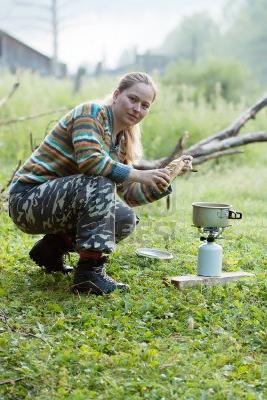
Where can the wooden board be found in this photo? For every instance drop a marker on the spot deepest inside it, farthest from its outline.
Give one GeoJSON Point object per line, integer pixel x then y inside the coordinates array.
{"type": "Point", "coordinates": [193, 280]}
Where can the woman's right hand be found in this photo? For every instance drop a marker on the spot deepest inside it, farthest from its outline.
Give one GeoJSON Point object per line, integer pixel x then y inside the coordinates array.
{"type": "Point", "coordinates": [158, 179]}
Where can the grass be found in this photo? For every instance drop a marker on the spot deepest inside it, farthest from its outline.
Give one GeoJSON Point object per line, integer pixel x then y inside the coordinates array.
{"type": "Point", "coordinates": [154, 342]}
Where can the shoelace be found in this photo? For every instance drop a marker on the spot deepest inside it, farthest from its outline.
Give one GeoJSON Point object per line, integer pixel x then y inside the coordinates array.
{"type": "Point", "coordinates": [101, 271]}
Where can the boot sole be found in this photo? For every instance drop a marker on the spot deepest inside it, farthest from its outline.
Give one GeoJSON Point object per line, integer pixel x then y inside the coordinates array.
{"type": "Point", "coordinates": [83, 287]}
{"type": "Point", "coordinates": [79, 288]}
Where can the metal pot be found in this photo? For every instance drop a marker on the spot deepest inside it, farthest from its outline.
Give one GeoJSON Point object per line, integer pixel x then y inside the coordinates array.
{"type": "Point", "coordinates": [213, 215]}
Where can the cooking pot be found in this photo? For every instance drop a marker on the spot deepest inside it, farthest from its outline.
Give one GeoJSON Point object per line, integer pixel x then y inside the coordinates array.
{"type": "Point", "coordinates": [213, 215]}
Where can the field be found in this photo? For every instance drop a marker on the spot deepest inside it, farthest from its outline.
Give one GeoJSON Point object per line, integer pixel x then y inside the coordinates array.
{"type": "Point", "coordinates": [154, 342]}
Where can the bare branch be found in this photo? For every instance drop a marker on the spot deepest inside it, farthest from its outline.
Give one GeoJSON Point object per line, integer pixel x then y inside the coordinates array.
{"type": "Point", "coordinates": [229, 143]}
{"type": "Point", "coordinates": [162, 162]}
{"type": "Point", "coordinates": [209, 151]}
{"type": "Point", "coordinates": [218, 154]}
{"type": "Point", "coordinates": [178, 150]}
{"type": "Point", "coordinates": [5, 99]}
{"type": "Point", "coordinates": [31, 141]}
{"type": "Point", "coordinates": [234, 128]}
{"type": "Point", "coordinates": [11, 178]}
{"type": "Point", "coordinates": [27, 117]}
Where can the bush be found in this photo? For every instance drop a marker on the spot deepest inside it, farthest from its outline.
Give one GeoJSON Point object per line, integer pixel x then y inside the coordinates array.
{"type": "Point", "coordinates": [209, 79]}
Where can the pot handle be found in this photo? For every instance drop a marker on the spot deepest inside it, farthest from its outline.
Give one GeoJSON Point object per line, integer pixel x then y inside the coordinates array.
{"type": "Point", "coordinates": [234, 215]}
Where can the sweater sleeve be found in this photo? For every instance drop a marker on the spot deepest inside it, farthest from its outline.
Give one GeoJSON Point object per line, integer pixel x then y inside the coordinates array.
{"type": "Point", "coordinates": [91, 157]}
{"type": "Point", "coordinates": [137, 194]}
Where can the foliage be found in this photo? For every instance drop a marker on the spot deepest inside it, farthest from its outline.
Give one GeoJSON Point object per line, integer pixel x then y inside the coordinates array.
{"type": "Point", "coordinates": [245, 38]}
{"type": "Point", "coordinates": [154, 342]}
{"type": "Point", "coordinates": [241, 36]}
{"type": "Point", "coordinates": [214, 77]}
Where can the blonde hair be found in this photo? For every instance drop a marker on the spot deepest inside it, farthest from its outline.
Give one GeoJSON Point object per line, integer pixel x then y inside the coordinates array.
{"type": "Point", "coordinates": [133, 133]}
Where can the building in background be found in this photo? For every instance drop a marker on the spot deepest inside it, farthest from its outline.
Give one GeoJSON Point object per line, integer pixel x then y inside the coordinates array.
{"type": "Point", "coordinates": [148, 62]}
{"type": "Point", "coordinates": [151, 62]}
{"type": "Point", "coordinates": [15, 55]}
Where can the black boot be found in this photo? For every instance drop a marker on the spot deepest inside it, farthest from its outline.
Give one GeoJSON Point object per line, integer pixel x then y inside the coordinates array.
{"type": "Point", "coordinates": [90, 277]}
{"type": "Point", "coordinates": [48, 253]}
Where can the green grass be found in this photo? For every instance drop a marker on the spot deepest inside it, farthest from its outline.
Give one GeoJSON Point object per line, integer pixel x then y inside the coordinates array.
{"type": "Point", "coordinates": [154, 342]}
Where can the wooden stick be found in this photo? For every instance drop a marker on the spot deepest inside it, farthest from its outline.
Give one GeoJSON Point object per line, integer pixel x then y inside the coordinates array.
{"type": "Point", "coordinates": [28, 117]}
{"type": "Point", "coordinates": [213, 156]}
{"type": "Point", "coordinates": [12, 176]}
{"type": "Point", "coordinates": [5, 99]}
{"type": "Point", "coordinates": [178, 151]}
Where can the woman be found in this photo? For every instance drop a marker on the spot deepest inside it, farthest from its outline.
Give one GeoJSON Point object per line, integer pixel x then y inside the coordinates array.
{"type": "Point", "coordinates": [66, 189]}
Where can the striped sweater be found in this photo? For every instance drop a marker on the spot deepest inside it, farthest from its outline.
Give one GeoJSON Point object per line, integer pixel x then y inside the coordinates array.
{"type": "Point", "coordinates": [82, 142]}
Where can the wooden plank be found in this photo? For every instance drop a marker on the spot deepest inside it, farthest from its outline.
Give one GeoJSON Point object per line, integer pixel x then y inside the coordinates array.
{"type": "Point", "coordinates": [193, 280]}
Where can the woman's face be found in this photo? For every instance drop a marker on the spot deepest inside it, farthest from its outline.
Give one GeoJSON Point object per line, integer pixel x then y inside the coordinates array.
{"type": "Point", "coordinates": [131, 105]}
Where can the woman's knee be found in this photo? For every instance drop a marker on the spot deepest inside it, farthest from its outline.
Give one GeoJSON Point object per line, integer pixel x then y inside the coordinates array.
{"type": "Point", "coordinates": [131, 219]}
{"type": "Point", "coordinates": [125, 223]}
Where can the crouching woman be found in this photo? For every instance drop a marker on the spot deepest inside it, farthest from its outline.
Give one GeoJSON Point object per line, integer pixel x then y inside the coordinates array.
{"type": "Point", "coordinates": [67, 189]}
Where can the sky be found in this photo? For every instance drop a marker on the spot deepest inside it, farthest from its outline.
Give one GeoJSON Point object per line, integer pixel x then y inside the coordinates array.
{"type": "Point", "coordinates": [90, 31]}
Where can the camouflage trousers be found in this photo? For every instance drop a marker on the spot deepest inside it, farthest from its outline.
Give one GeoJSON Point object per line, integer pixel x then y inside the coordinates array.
{"type": "Point", "coordinates": [83, 206]}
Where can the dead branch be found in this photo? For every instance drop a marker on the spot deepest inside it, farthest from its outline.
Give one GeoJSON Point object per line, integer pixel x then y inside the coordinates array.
{"type": "Point", "coordinates": [162, 162]}
{"type": "Point", "coordinates": [11, 178]}
{"type": "Point", "coordinates": [228, 143]}
{"type": "Point", "coordinates": [234, 128]}
{"type": "Point", "coordinates": [213, 156]}
{"type": "Point", "coordinates": [28, 117]}
{"type": "Point", "coordinates": [217, 145]}
{"type": "Point", "coordinates": [5, 99]}
{"type": "Point", "coordinates": [178, 150]}
{"type": "Point", "coordinates": [31, 141]}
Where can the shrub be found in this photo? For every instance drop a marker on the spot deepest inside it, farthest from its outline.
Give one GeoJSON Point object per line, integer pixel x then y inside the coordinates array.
{"type": "Point", "coordinates": [209, 79]}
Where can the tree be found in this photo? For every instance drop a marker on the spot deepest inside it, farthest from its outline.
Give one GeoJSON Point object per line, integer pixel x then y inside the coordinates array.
{"type": "Point", "coordinates": [246, 37]}
{"type": "Point", "coordinates": [41, 16]}
{"type": "Point", "coordinates": [193, 39]}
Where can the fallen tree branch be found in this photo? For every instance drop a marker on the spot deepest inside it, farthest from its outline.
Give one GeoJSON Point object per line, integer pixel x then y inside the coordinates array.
{"type": "Point", "coordinates": [28, 117]}
{"type": "Point", "coordinates": [228, 143]}
{"type": "Point", "coordinates": [5, 99]}
{"type": "Point", "coordinates": [217, 145]}
{"type": "Point", "coordinates": [213, 156]}
{"type": "Point", "coordinates": [234, 128]}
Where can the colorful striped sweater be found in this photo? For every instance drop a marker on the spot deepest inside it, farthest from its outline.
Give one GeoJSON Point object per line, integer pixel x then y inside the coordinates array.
{"type": "Point", "coordinates": [82, 142]}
